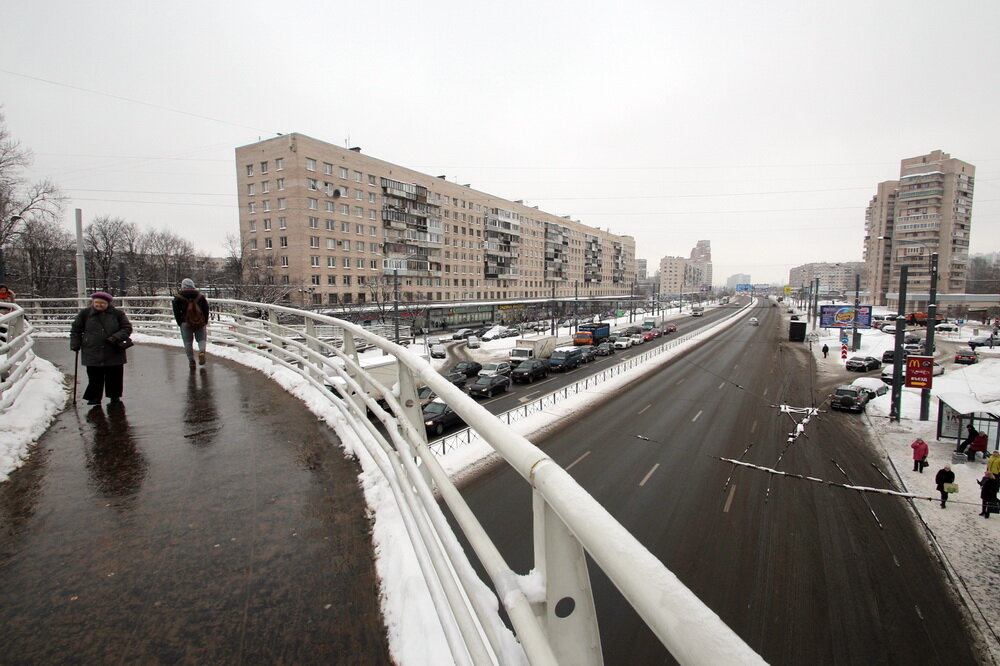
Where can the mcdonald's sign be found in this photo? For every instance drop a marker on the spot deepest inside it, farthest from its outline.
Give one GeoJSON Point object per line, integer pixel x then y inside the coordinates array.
{"type": "Point", "coordinates": [919, 371]}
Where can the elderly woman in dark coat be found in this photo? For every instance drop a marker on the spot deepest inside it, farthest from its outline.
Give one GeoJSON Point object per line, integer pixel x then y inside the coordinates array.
{"type": "Point", "coordinates": [98, 333]}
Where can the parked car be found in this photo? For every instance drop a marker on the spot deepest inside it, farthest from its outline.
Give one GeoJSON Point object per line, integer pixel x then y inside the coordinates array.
{"type": "Point", "coordinates": [473, 342]}
{"type": "Point", "coordinates": [910, 339]}
{"type": "Point", "coordinates": [967, 357]}
{"type": "Point", "coordinates": [849, 398]}
{"type": "Point", "coordinates": [456, 378]}
{"type": "Point", "coordinates": [467, 368]}
{"type": "Point", "coordinates": [888, 355]}
{"type": "Point", "coordinates": [794, 318]}
{"type": "Point", "coordinates": [863, 363]}
{"type": "Point", "coordinates": [497, 368]}
{"type": "Point", "coordinates": [753, 321]}
{"type": "Point", "coordinates": [587, 354]}
{"type": "Point", "coordinates": [489, 385]}
{"type": "Point", "coordinates": [873, 386]}
{"type": "Point", "coordinates": [461, 334]}
{"type": "Point", "coordinates": [887, 372]}
{"type": "Point", "coordinates": [439, 416]}
{"type": "Point", "coordinates": [426, 396]}
{"type": "Point", "coordinates": [946, 328]}
{"type": "Point", "coordinates": [530, 370]}
{"type": "Point", "coordinates": [984, 341]}
{"type": "Point", "coordinates": [606, 348]}
{"type": "Point", "coordinates": [510, 333]}
{"type": "Point", "coordinates": [438, 351]}
{"type": "Point", "coordinates": [433, 341]}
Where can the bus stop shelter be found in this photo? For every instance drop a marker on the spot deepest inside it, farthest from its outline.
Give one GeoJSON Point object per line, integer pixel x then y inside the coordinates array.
{"type": "Point", "coordinates": [957, 410]}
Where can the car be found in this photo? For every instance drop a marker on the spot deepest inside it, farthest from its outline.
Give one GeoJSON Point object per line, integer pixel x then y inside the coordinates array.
{"type": "Point", "coordinates": [461, 334]}
{"type": "Point", "coordinates": [873, 386]}
{"type": "Point", "coordinates": [510, 333]}
{"type": "Point", "coordinates": [489, 385]}
{"type": "Point", "coordinates": [913, 348]}
{"type": "Point", "coordinates": [633, 330]}
{"type": "Point", "coordinates": [564, 359]}
{"type": "Point", "coordinates": [467, 368]}
{"type": "Point", "coordinates": [967, 357]}
{"type": "Point", "coordinates": [888, 355]}
{"type": "Point", "coordinates": [438, 351]}
{"type": "Point", "coordinates": [910, 339]}
{"type": "Point", "coordinates": [636, 339]}
{"type": "Point", "coordinates": [648, 336]}
{"type": "Point", "coordinates": [426, 396]}
{"type": "Point", "coordinates": [606, 348]}
{"type": "Point", "coordinates": [439, 416]}
{"type": "Point", "coordinates": [670, 329]}
{"type": "Point", "coordinates": [863, 363]}
{"type": "Point", "coordinates": [472, 342]}
{"type": "Point", "coordinates": [623, 342]}
{"type": "Point", "coordinates": [456, 378]}
{"type": "Point", "coordinates": [530, 370]}
{"type": "Point", "coordinates": [656, 332]}
{"type": "Point", "coordinates": [984, 341]}
{"type": "Point", "coordinates": [794, 318]}
{"type": "Point", "coordinates": [888, 372]}
{"type": "Point", "coordinates": [849, 398]}
{"type": "Point", "coordinates": [753, 321]}
{"type": "Point", "coordinates": [587, 354]}
{"type": "Point", "coordinates": [433, 341]}
{"type": "Point", "coordinates": [889, 328]}
{"type": "Point", "coordinates": [946, 328]}
{"type": "Point", "coordinates": [496, 368]}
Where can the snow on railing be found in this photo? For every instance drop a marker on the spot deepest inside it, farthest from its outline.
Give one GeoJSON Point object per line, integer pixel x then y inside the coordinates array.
{"type": "Point", "coordinates": [559, 625]}
{"type": "Point", "coordinates": [16, 353]}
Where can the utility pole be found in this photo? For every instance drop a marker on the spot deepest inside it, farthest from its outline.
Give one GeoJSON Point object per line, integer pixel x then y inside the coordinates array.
{"type": "Point", "coordinates": [925, 394]}
{"type": "Point", "coordinates": [816, 305]}
{"type": "Point", "coordinates": [81, 263]}
{"type": "Point", "coordinates": [897, 354]}
{"type": "Point", "coordinates": [856, 341]}
{"type": "Point", "coordinates": [552, 309]}
{"type": "Point", "coordinates": [395, 303]}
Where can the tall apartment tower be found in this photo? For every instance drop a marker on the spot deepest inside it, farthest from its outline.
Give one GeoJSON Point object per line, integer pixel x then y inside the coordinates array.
{"type": "Point", "coordinates": [340, 227]}
{"type": "Point", "coordinates": [679, 276]}
{"type": "Point", "coordinates": [929, 209]}
{"type": "Point", "coordinates": [701, 254]}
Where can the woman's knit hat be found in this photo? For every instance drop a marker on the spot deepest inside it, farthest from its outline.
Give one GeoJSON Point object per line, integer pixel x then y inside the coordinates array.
{"type": "Point", "coordinates": [187, 283]}
{"type": "Point", "coordinates": [103, 295]}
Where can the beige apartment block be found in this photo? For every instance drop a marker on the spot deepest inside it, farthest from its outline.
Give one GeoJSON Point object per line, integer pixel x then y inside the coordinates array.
{"type": "Point", "coordinates": [832, 276]}
{"type": "Point", "coordinates": [334, 225]}
{"type": "Point", "coordinates": [928, 210]}
{"type": "Point", "coordinates": [679, 275]}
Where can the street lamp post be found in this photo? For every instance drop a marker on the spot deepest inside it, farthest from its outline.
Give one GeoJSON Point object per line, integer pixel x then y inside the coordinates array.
{"type": "Point", "coordinates": [897, 354]}
{"type": "Point", "coordinates": [925, 393]}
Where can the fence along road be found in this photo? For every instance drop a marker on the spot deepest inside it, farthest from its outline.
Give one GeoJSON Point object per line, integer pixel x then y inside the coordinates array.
{"type": "Point", "coordinates": [561, 627]}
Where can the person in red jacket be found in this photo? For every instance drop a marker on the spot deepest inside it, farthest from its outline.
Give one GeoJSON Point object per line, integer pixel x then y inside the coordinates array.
{"type": "Point", "coordinates": [980, 443]}
{"type": "Point", "coordinates": [919, 455]}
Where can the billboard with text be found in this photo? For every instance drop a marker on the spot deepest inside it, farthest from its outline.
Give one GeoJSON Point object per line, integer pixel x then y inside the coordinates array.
{"type": "Point", "coordinates": [844, 316]}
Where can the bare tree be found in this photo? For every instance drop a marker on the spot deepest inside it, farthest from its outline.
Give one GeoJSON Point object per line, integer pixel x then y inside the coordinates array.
{"type": "Point", "coordinates": [107, 242]}
{"type": "Point", "coordinates": [381, 295]}
{"type": "Point", "coordinates": [43, 260]}
{"type": "Point", "coordinates": [20, 200]}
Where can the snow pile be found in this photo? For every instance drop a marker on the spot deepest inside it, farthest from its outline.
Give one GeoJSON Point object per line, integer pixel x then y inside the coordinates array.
{"type": "Point", "coordinates": [25, 421]}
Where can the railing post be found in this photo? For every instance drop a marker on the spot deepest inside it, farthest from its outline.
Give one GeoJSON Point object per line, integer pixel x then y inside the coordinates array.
{"type": "Point", "coordinates": [313, 344]}
{"type": "Point", "coordinates": [568, 613]}
{"type": "Point", "coordinates": [412, 412]}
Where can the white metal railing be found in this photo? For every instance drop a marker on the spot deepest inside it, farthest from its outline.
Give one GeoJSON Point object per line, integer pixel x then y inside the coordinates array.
{"type": "Point", "coordinates": [568, 522]}
{"type": "Point", "coordinates": [16, 353]}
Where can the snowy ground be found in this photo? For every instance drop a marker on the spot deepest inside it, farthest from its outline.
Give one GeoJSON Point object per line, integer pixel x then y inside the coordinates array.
{"type": "Point", "coordinates": [25, 421]}
{"type": "Point", "coordinates": [971, 544]}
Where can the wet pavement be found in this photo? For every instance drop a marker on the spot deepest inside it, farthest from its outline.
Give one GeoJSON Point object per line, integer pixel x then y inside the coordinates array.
{"type": "Point", "coordinates": [209, 519]}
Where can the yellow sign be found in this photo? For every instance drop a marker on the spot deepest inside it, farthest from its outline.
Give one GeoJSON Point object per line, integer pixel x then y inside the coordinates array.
{"type": "Point", "coordinates": [788, 290]}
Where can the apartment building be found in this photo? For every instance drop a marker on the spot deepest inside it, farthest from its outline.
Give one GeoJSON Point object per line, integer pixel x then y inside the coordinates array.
{"type": "Point", "coordinates": [928, 210]}
{"type": "Point", "coordinates": [701, 255]}
{"type": "Point", "coordinates": [833, 277]}
{"type": "Point", "coordinates": [679, 275]}
{"type": "Point", "coordinates": [338, 227]}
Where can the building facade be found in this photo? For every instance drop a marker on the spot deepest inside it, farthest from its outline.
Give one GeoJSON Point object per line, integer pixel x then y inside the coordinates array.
{"type": "Point", "coordinates": [738, 278]}
{"type": "Point", "coordinates": [833, 277]}
{"type": "Point", "coordinates": [928, 210]}
{"type": "Point", "coordinates": [701, 255]}
{"type": "Point", "coordinates": [338, 227]}
{"type": "Point", "coordinates": [679, 276]}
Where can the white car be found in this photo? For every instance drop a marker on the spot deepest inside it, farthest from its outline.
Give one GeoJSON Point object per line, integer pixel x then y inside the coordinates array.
{"type": "Point", "coordinates": [433, 341]}
{"type": "Point", "coordinates": [499, 368]}
{"type": "Point", "coordinates": [946, 328]}
{"type": "Point", "coordinates": [472, 342]}
{"type": "Point", "coordinates": [887, 372]}
{"type": "Point", "coordinates": [753, 321]}
{"type": "Point", "coordinates": [636, 339]}
{"type": "Point", "coordinates": [623, 342]}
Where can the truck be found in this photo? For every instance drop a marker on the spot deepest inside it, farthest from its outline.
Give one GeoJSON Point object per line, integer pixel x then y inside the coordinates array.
{"type": "Point", "coordinates": [592, 334]}
{"type": "Point", "coordinates": [650, 324]}
{"type": "Point", "coordinates": [697, 311]}
{"type": "Point", "coordinates": [538, 348]}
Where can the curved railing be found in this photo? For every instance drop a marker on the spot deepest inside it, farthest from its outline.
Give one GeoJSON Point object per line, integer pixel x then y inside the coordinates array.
{"type": "Point", "coordinates": [16, 354]}
{"type": "Point", "coordinates": [559, 626]}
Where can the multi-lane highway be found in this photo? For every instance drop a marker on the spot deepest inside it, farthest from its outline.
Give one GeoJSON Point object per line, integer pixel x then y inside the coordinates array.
{"type": "Point", "coordinates": [805, 573]}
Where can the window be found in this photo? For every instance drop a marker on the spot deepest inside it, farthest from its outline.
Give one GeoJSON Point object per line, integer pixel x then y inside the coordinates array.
{"type": "Point", "coordinates": [283, 260]}
{"type": "Point", "coordinates": [373, 247]}
{"type": "Point", "coordinates": [250, 187]}
{"type": "Point", "coordinates": [327, 168]}
{"type": "Point", "coordinates": [371, 196]}
{"type": "Point", "coordinates": [253, 225]}
{"type": "Point", "coordinates": [282, 222]}
{"type": "Point", "coordinates": [345, 209]}
{"type": "Point", "coordinates": [263, 167]}
{"type": "Point", "coordinates": [314, 223]}
{"type": "Point", "coordinates": [347, 283]}
{"type": "Point", "coordinates": [314, 204]}
{"type": "Point", "coordinates": [284, 279]}
{"type": "Point", "coordinates": [281, 204]}
{"type": "Point", "coordinates": [345, 227]}
{"type": "Point", "coordinates": [312, 184]}
{"type": "Point", "coordinates": [358, 211]}
{"type": "Point", "coordinates": [267, 224]}
{"type": "Point", "coordinates": [359, 229]}
{"type": "Point", "coordinates": [371, 179]}
{"type": "Point", "coordinates": [331, 262]}
{"type": "Point", "coordinates": [279, 164]}
{"type": "Point", "coordinates": [310, 164]}
{"type": "Point", "coordinates": [359, 246]}
{"type": "Point", "coordinates": [267, 205]}
{"type": "Point", "coordinates": [280, 183]}
{"type": "Point", "coordinates": [331, 244]}
{"type": "Point", "coordinates": [360, 263]}
{"type": "Point", "coordinates": [252, 207]}
{"type": "Point", "coordinates": [359, 195]}
{"type": "Point", "coordinates": [268, 243]}
{"type": "Point", "coordinates": [282, 241]}
{"type": "Point", "coordinates": [253, 243]}
{"type": "Point", "coordinates": [346, 263]}
{"type": "Point", "coordinates": [343, 172]}
{"type": "Point", "coordinates": [265, 186]}
{"type": "Point", "coordinates": [314, 261]}
{"type": "Point", "coordinates": [329, 225]}
{"type": "Point", "coordinates": [249, 169]}
{"type": "Point", "coordinates": [314, 242]}
{"type": "Point", "coordinates": [329, 207]}
{"type": "Point", "coordinates": [357, 176]}
{"type": "Point", "coordinates": [371, 214]}
{"type": "Point", "coordinates": [331, 280]}
{"type": "Point", "coordinates": [373, 264]}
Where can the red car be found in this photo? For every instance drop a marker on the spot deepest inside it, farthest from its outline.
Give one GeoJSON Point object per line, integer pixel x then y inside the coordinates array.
{"type": "Point", "coordinates": [647, 336]}
{"type": "Point", "coordinates": [670, 329]}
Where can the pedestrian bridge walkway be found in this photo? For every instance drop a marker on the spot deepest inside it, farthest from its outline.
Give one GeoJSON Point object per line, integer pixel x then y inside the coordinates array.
{"type": "Point", "coordinates": [208, 519]}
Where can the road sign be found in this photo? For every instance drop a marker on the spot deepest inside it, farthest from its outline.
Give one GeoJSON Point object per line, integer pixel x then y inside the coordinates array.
{"type": "Point", "coordinates": [919, 371]}
{"type": "Point", "coordinates": [843, 351]}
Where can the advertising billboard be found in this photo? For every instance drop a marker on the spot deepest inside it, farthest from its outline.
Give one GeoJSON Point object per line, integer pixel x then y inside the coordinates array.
{"type": "Point", "coordinates": [744, 287]}
{"type": "Point", "coordinates": [919, 371]}
{"type": "Point", "coordinates": [843, 316]}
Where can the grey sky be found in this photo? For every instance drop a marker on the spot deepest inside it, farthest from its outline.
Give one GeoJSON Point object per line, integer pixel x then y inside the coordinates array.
{"type": "Point", "coordinates": [763, 127]}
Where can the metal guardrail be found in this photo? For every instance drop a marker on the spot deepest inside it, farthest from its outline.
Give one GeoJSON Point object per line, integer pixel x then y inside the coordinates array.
{"type": "Point", "coordinates": [568, 522]}
{"type": "Point", "coordinates": [16, 353]}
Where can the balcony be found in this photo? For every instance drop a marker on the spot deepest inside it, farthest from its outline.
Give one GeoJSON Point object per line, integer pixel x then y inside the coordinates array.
{"type": "Point", "coordinates": [498, 249]}
{"type": "Point", "coordinates": [409, 267]}
{"type": "Point", "coordinates": [920, 194]}
{"type": "Point", "coordinates": [503, 226]}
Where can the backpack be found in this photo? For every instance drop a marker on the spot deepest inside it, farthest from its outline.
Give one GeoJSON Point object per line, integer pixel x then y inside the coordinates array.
{"type": "Point", "coordinates": [193, 316]}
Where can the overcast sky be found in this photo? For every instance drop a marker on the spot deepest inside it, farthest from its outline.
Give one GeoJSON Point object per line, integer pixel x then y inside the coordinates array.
{"type": "Point", "coordinates": [761, 126]}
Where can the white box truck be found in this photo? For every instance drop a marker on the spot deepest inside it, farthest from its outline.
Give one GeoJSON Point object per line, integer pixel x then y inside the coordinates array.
{"type": "Point", "coordinates": [538, 348]}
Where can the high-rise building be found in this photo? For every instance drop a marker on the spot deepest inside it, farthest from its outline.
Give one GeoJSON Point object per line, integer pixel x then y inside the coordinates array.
{"type": "Point", "coordinates": [833, 277]}
{"type": "Point", "coordinates": [928, 210]}
{"type": "Point", "coordinates": [679, 276]}
{"type": "Point", "coordinates": [640, 269]}
{"type": "Point", "coordinates": [701, 254]}
{"type": "Point", "coordinates": [738, 278]}
{"type": "Point", "coordinates": [337, 226]}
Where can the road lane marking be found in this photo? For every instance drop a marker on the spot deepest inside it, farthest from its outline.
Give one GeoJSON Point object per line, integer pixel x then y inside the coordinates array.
{"type": "Point", "coordinates": [648, 474]}
{"type": "Point", "coordinates": [577, 460]}
{"type": "Point", "coordinates": [753, 427]}
{"type": "Point", "coordinates": [645, 408]}
{"type": "Point", "coordinates": [697, 415]}
{"type": "Point", "coordinates": [765, 392]}
{"type": "Point", "coordinates": [722, 384]}
{"type": "Point", "coordinates": [525, 397]}
{"type": "Point", "coordinates": [729, 500]}
{"type": "Point", "coordinates": [679, 382]}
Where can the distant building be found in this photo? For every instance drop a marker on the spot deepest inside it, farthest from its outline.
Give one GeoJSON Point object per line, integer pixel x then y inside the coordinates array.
{"type": "Point", "coordinates": [640, 269]}
{"type": "Point", "coordinates": [701, 255]}
{"type": "Point", "coordinates": [680, 276]}
{"type": "Point", "coordinates": [833, 277]}
{"type": "Point", "coordinates": [738, 278]}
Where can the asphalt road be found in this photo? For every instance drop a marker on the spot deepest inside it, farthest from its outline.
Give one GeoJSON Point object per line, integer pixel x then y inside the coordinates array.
{"type": "Point", "coordinates": [802, 571]}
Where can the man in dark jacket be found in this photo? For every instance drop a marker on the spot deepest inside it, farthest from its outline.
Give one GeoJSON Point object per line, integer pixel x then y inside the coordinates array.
{"type": "Point", "coordinates": [944, 475]}
{"type": "Point", "coordinates": [98, 332]}
{"type": "Point", "coordinates": [988, 493]}
{"type": "Point", "coordinates": [191, 314]}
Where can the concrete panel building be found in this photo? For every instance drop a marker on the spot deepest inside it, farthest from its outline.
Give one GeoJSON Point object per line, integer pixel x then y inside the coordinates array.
{"type": "Point", "coordinates": [679, 276]}
{"type": "Point", "coordinates": [701, 255]}
{"type": "Point", "coordinates": [334, 225]}
{"type": "Point", "coordinates": [833, 277]}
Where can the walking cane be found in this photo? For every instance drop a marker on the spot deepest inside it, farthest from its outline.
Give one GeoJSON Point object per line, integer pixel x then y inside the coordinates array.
{"type": "Point", "coordinates": [76, 369]}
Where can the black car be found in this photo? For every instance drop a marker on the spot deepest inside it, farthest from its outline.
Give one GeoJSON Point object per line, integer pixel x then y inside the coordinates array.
{"type": "Point", "coordinates": [863, 363]}
{"type": "Point", "coordinates": [467, 368]}
{"type": "Point", "coordinates": [438, 416]}
{"type": "Point", "coordinates": [488, 386]}
{"type": "Point", "coordinates": [530, 370]}
{"type": "Point", "coordinates": [456, 378]}
{"type": "Point", "coordinates": [888, 355]}
{"type": "Point", "coordinates": [587, 354]}
{"type": "Point", "coordinates": [604, 349]}
{"type": "Point", "coordinates": [967, 357]}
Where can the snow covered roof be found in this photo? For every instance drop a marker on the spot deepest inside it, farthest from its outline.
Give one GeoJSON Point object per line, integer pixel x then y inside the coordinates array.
{"type": "Point", "coordinates": [966, 404]}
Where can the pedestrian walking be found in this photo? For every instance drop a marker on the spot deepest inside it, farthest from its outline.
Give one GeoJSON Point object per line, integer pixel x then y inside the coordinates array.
{"type": "Point", "coordinates": [100, 332]}
{"type": "Point", "coordinates": [826, 350]}
{"type": "Point", "coordinates": [6, 295]}
{"type": "Point", "coordinates": [920, 451]}
{"type": "Point", "coordinates": [191, 314]}
{"type": "Point", "coordinates": [968, 438]}
{"type": "Point", "coordinates": [993, 464]}
{"type": "Point", "coordinates": [944, 476]}
{"type": "Point", "coordinates": [988, 493]}
{"type": "Point", "coordinates": [980, 444]}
